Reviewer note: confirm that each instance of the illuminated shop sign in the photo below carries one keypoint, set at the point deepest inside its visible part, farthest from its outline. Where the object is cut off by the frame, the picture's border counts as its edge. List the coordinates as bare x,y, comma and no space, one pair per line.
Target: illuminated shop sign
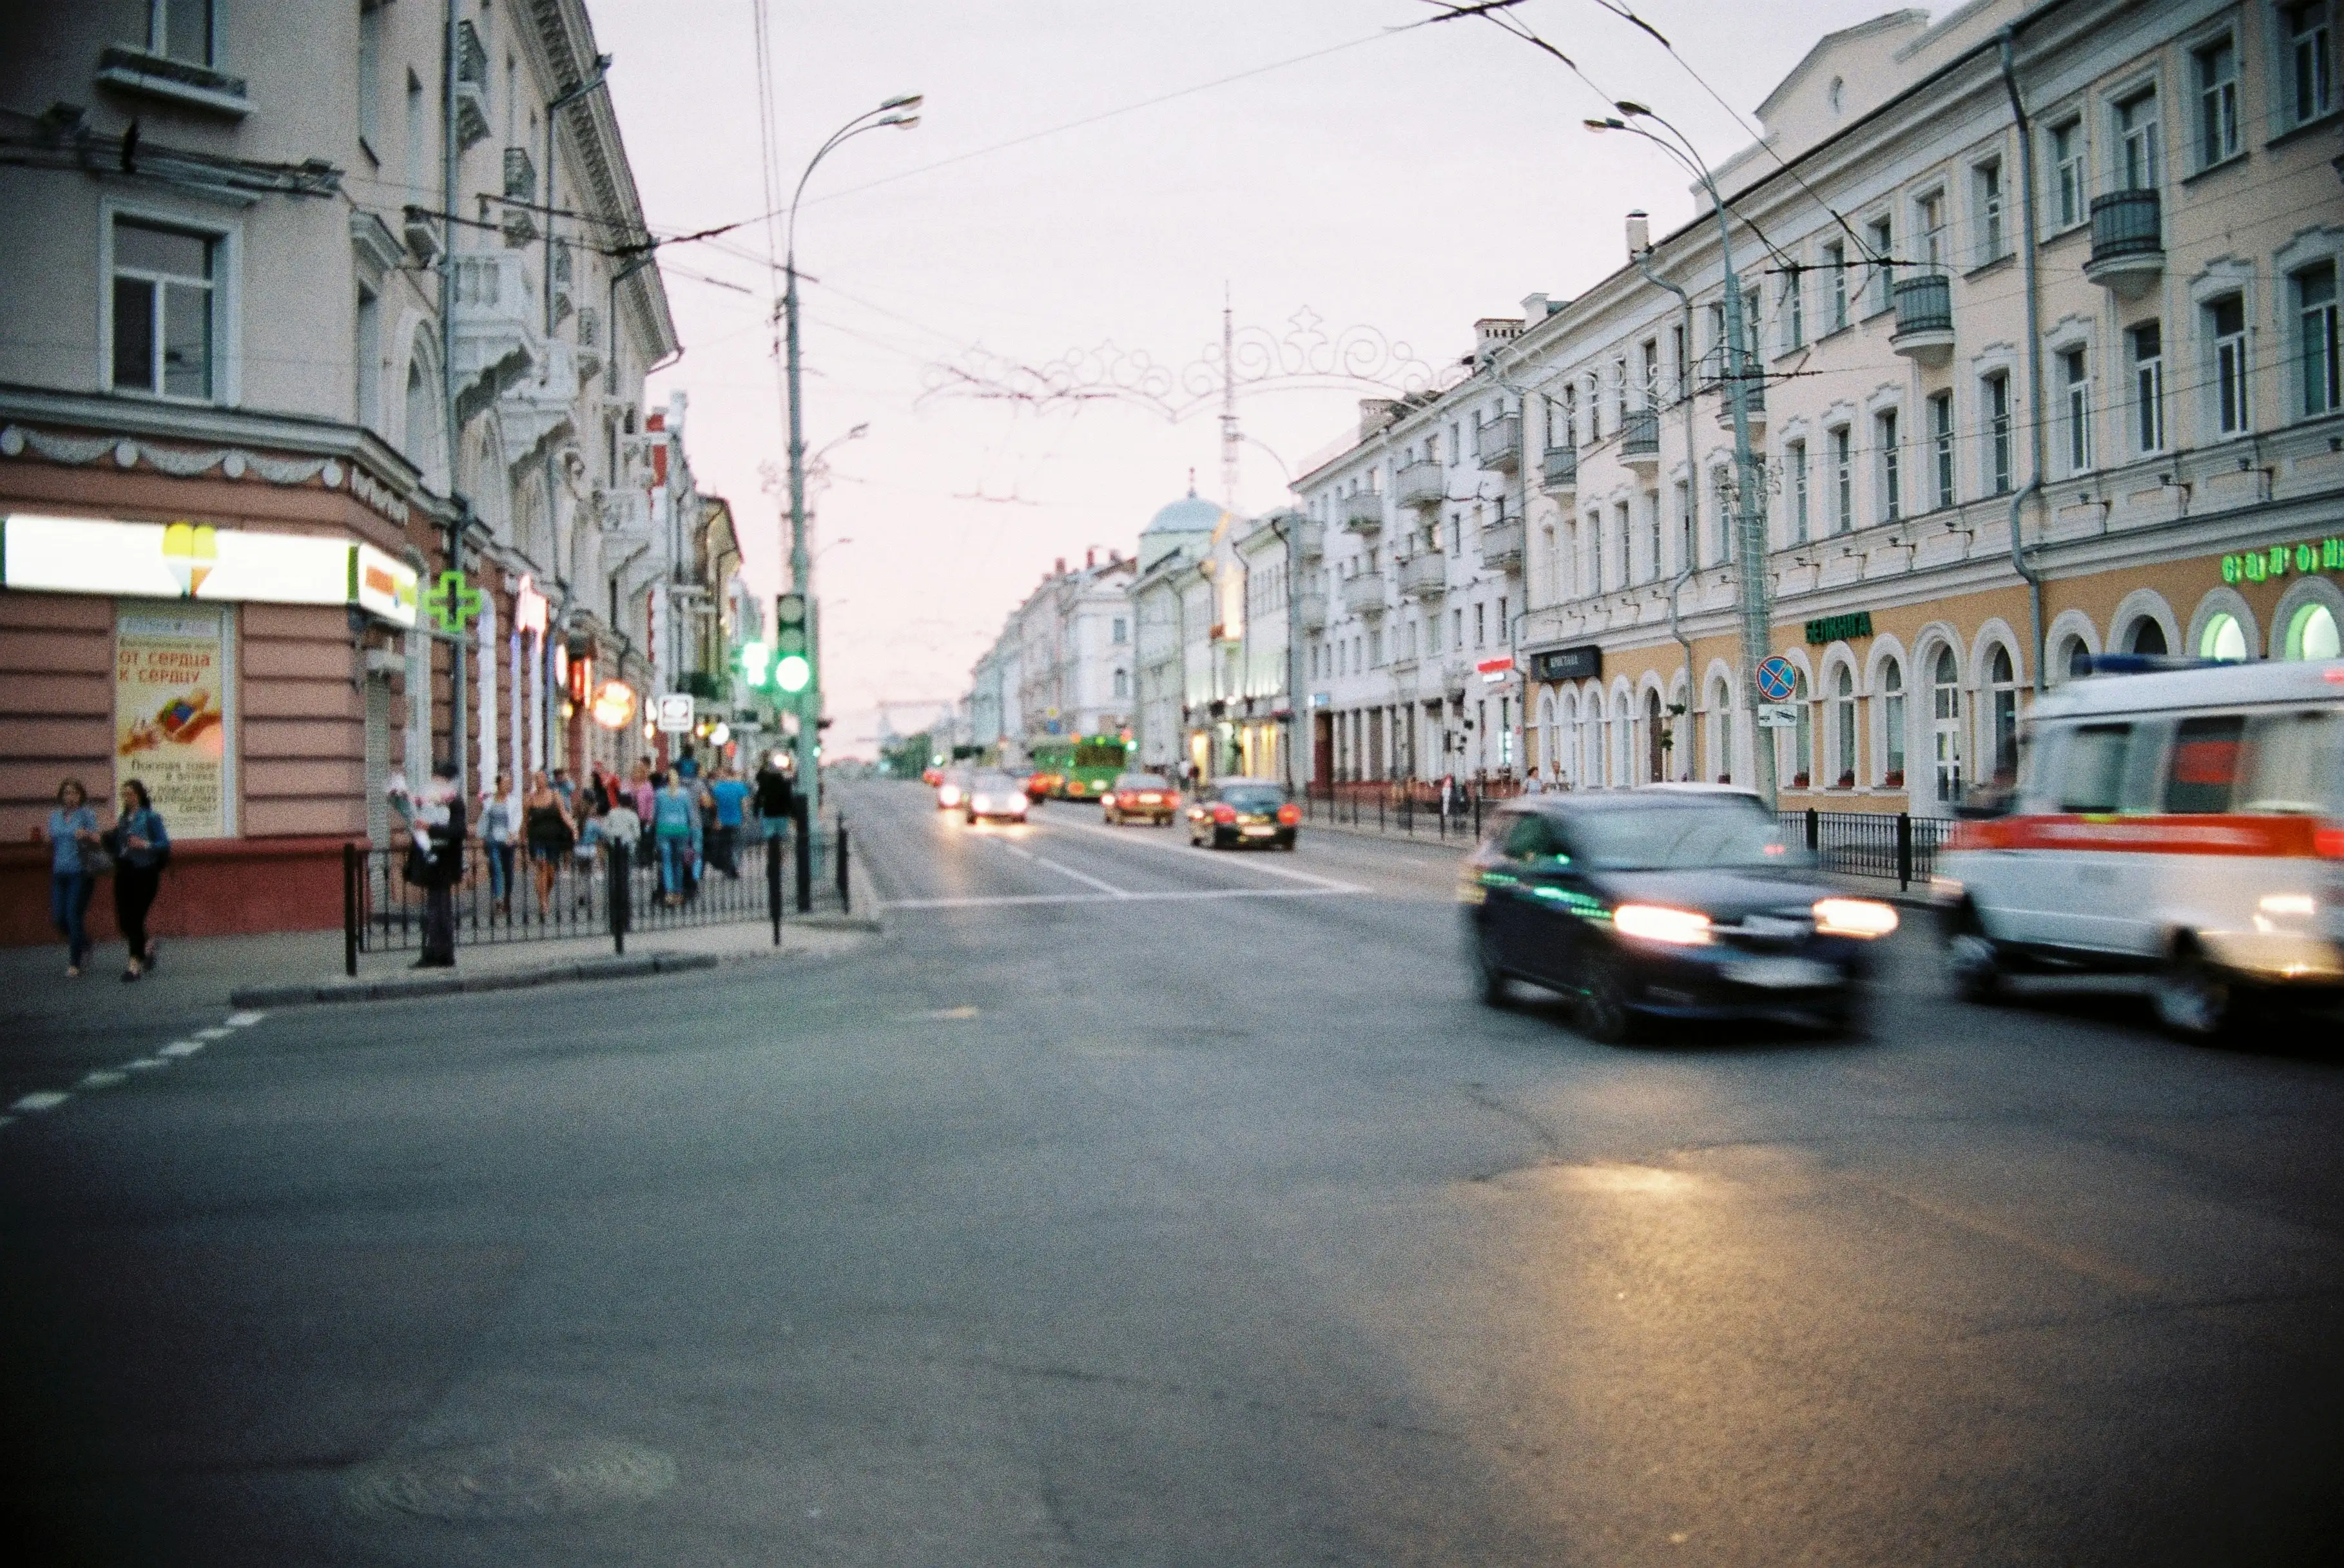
1839,628
197,561
2262,565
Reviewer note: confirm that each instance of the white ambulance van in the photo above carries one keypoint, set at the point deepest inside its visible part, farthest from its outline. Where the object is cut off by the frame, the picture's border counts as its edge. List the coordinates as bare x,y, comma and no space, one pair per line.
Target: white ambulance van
2188,824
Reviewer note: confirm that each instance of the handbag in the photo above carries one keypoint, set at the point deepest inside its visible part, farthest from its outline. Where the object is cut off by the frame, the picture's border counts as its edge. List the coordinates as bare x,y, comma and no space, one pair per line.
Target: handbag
98,859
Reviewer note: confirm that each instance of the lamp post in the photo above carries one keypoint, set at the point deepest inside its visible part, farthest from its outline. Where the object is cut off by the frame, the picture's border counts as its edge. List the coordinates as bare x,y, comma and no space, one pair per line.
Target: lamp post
902,112
1750,522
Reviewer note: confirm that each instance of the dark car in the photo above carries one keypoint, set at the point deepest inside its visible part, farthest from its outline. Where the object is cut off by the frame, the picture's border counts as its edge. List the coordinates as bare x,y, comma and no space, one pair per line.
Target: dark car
1664,904
1148,798
1233,811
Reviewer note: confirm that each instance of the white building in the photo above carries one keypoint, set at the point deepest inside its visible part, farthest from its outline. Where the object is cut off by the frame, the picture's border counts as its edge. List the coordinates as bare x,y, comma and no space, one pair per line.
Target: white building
1064,662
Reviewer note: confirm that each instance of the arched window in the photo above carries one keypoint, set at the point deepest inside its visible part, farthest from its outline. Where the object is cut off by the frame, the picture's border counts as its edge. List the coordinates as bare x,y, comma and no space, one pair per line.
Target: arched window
2004,681
1803,734
1945,725
1891,724
2147,637
422,423
2222,637
1721,719
2071,656
1843,728
1656,751
2311,633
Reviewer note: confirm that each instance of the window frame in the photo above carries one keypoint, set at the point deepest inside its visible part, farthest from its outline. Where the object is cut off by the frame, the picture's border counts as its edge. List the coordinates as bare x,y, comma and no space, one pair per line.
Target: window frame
158,30
2287,106
2215,112
2070,185
228,237
1836,259
1940,406
2073,362
2148,423
2123,138
1990,209
2227,379
1888,471
2301,371
1996,425
1840,442
1795,457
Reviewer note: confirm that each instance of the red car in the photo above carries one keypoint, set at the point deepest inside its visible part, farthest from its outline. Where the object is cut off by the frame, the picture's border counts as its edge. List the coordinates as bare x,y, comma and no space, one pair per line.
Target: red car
1151,797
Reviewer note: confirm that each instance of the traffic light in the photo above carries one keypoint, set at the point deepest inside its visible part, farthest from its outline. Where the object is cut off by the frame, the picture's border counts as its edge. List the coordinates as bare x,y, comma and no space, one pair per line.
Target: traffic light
793,665
754,658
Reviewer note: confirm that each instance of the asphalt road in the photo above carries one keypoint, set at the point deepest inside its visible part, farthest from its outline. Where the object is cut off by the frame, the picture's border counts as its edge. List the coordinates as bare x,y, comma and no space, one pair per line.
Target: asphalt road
1132,1203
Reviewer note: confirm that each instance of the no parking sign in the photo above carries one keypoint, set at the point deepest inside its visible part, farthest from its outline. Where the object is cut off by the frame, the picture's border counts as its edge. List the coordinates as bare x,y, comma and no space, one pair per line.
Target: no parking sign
1777,679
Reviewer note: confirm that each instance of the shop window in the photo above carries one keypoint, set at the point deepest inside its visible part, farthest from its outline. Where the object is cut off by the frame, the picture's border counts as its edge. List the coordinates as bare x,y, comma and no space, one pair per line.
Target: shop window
2311,633
163,309
1802,736
2202,771
2222,637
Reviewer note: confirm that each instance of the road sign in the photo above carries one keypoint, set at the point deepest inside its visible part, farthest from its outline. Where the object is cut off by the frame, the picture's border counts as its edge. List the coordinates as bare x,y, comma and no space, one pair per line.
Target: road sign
1777,679
1778,715
675,713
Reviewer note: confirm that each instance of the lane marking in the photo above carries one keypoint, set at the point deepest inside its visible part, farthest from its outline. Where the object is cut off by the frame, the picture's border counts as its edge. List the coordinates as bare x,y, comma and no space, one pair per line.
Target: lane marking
244,1020
46,1099
143,1065
1084,877
1193,895
1187,850
181,1048
216,1032
102,1079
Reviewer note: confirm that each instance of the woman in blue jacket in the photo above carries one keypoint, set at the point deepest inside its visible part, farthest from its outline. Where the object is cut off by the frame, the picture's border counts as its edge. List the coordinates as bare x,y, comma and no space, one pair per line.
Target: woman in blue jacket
142,847
74,841
675,828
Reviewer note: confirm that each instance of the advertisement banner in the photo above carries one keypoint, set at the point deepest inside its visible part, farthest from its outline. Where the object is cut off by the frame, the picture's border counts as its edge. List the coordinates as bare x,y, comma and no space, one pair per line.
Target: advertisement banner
170,714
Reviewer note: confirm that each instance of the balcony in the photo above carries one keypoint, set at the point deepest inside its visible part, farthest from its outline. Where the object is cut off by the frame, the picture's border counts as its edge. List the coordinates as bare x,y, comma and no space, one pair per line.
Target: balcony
519,225
1363,594
1559,475
1420,484
1310,606
1310,539
1639,439
1363,512
1501,546
2128,242
1424,575
174,81
1498,445
1456,673
471,88
496,340
1753,399
1925,319
542,405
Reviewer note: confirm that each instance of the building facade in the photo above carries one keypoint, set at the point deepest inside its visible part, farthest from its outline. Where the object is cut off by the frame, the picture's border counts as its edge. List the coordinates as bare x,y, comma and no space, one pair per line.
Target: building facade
1064,662
307,321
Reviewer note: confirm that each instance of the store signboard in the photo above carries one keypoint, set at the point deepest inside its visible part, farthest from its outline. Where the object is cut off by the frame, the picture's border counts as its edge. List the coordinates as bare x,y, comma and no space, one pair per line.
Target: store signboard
197,561
170,714
1583,662
382,585
674,713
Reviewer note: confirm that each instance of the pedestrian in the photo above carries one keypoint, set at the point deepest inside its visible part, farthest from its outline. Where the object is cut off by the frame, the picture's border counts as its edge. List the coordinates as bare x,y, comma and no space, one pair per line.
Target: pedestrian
1531,783
75,848
731,795
687,767
643,789
675,829
549,829
775,802
440,813
499,831
142,848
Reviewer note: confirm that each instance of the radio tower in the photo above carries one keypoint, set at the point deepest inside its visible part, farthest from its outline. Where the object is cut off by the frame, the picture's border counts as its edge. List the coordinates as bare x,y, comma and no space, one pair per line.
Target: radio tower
1228,405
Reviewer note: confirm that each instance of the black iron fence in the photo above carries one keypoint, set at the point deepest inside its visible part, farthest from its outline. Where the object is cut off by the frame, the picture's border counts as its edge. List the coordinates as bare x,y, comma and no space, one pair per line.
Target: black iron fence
1408,808
509,893
1871,843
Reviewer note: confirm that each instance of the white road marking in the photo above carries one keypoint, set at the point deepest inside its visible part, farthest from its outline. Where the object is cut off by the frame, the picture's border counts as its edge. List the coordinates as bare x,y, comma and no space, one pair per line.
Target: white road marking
144,1064
1190,895
1020,853
244,1020
1086,878
214,1033
181,1048
101,1080
47,1099
1185,849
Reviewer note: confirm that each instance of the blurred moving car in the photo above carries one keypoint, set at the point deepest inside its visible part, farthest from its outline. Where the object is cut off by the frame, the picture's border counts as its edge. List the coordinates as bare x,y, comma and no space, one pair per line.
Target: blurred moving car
1042,783
1239,811
2185,822
1151,797
932,777
952,789
994,798
1663,903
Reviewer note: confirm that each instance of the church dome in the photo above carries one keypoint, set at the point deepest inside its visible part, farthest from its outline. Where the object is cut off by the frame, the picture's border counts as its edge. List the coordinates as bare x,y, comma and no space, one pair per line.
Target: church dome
1190,514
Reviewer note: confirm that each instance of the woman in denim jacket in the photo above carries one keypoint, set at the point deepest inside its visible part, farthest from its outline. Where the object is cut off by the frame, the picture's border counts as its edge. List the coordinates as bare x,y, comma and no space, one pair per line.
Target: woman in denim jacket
74,839
142,847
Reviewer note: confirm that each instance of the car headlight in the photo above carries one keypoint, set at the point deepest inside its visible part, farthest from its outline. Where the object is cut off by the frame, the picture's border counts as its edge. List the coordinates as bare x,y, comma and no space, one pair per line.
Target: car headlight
1865,917
1659,923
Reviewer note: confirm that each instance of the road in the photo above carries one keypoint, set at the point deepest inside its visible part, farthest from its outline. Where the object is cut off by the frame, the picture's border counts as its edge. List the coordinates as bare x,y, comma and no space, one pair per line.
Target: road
1131,1204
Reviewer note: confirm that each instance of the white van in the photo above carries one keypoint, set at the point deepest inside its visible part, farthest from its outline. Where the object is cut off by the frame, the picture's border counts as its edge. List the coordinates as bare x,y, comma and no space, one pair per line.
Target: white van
2183,823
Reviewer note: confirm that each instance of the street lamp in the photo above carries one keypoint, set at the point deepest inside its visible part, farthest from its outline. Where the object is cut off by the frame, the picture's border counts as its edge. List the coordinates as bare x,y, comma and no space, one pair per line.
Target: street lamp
901,112
1749,524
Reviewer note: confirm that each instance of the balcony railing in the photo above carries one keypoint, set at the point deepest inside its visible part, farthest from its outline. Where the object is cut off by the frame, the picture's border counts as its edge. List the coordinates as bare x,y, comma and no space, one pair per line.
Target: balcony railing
1363,512
1560,473
1310,539
1498,445
1752,380
1501,546
1640,436
1424,575
1363,593
1420,484
497,340
1310,606
521,188
2127,241
1924,318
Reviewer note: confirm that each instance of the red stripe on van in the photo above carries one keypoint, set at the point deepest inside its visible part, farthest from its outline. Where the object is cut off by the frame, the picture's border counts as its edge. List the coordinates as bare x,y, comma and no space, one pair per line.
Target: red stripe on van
2227,834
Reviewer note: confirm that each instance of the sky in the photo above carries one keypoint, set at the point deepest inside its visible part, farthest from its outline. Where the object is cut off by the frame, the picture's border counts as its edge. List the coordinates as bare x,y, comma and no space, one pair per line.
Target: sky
1101,176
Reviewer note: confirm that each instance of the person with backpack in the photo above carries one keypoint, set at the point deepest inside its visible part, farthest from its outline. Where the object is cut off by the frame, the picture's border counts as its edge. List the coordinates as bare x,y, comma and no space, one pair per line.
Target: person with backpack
142,848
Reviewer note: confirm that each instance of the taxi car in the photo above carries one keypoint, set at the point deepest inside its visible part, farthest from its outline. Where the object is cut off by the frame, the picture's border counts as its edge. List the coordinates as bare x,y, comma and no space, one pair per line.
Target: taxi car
1149,797
1232,812
1663,903
2170,818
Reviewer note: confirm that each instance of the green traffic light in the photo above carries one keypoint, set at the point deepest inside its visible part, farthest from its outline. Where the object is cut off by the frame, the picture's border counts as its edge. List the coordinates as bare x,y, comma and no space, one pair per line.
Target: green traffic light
793,672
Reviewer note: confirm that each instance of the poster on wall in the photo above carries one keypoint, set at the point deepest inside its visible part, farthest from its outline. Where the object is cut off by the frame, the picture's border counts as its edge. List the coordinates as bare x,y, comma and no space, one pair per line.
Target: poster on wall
170,714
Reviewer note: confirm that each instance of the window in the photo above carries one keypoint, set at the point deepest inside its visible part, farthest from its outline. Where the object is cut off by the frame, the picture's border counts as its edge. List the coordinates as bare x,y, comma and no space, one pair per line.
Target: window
1945,725
1880,234
2222,638
2076,408
1678,348
2306,84
1121,683
2138,136
1985,188
2226,324
2067,191
2311,633
2004,681
1481,626
1941,445
1891,724
1892,480
2147,636
1653,531
367,340
1627,550
420,435
2204,764
370,65
2315,340
1997,388
164,306
2146,343
1121,631
1795,310
183,30
1843,463
1457,629
1594,564
1620,393
418,123
1835,270
1795,457
2092,766
2215,68
1567,410
1843,729
1930,214
1684,525
1721,491
1648,359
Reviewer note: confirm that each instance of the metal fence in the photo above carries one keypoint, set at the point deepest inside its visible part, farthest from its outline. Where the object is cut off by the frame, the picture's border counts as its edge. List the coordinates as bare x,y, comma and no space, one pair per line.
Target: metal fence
506,893
1410,808
1871,843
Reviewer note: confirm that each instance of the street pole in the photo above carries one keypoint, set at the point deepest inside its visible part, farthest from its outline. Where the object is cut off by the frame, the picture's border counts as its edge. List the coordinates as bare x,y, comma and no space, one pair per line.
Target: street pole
898,111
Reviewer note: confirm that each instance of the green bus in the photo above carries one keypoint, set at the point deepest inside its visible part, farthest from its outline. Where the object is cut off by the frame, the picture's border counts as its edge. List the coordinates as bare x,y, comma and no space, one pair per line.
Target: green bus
1081,767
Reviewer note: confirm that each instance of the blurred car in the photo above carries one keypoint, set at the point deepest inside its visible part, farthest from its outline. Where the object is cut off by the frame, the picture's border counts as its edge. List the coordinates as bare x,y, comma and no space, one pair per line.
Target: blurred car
2173,818
1238,811
994,798
1151,797
1041,784
932,777
1663,903
952,790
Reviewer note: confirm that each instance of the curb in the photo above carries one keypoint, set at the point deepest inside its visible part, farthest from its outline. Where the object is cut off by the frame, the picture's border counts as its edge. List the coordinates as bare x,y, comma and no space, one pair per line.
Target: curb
611,968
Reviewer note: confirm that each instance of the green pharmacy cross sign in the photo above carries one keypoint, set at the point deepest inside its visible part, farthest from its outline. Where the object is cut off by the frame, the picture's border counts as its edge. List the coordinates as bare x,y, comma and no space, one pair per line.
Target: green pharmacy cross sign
2262,565
452,604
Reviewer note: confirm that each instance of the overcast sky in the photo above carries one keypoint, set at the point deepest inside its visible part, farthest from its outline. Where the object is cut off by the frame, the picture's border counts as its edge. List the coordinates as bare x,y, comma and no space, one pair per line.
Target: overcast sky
1405,181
